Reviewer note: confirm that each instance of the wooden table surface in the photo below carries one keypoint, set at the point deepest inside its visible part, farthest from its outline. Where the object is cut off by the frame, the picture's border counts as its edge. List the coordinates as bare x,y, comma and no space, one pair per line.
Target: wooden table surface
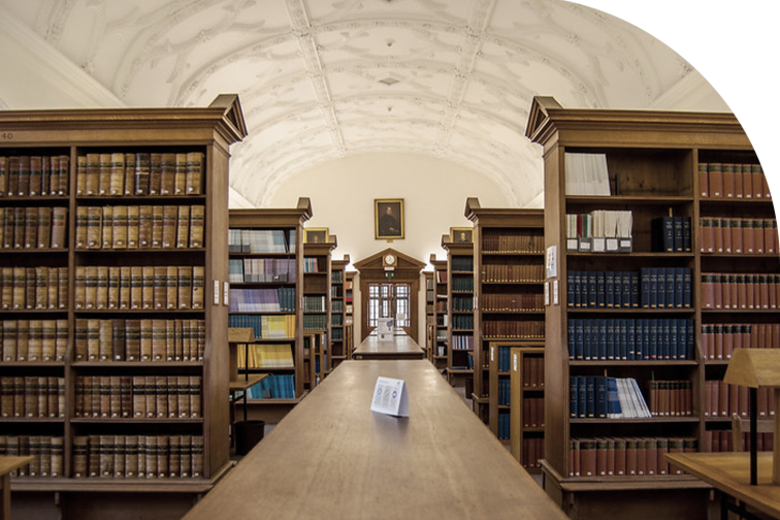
729,472
401,347
7,465
332,457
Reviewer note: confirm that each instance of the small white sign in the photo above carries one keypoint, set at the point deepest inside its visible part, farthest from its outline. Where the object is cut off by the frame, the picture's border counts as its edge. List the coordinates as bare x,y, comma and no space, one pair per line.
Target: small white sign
555,292
384,329
552,261
390,397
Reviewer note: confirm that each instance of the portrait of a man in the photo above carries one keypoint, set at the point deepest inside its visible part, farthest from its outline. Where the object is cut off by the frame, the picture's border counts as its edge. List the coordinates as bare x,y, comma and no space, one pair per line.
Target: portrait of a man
389,218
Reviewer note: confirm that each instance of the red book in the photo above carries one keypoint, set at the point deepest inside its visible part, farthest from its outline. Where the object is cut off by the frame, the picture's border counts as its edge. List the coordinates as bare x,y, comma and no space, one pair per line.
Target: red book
770,236
675,446
733,400
775,335
747,181
588,457
706,341
736,235
742,401
718,291
773,279
641,456
737,336
758,181
715,171
729,190
651,457
707,398
620,457
601,457
610,457
662,447
739,183
748,237
764,283
708,290
725,280
718,335
750,286
704,180
707,235
725,226
631,457
718,231
714,398
758,234
723,399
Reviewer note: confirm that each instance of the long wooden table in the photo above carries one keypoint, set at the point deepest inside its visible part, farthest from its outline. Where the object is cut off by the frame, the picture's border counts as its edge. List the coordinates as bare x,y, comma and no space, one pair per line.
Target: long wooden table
401,347
332,457
7,465
729,473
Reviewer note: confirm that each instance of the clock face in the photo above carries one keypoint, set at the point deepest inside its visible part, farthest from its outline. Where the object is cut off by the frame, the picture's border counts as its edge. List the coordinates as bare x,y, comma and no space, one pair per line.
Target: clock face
389,259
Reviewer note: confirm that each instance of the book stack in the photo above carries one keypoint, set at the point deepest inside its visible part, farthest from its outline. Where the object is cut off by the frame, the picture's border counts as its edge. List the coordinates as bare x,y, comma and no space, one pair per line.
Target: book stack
626,456
34,340
600,231
493,241
310,265
746,236
158,396
533,452
718,340
533,372
631,339
138,456
648,288
462,322
280,299
722,440
462,285
261,241
158,173
502,273
671,234
723,400
733,181
265,356
460,342
47,453
262,270
140,227
601,397
33,227
315,321
275,386
533,412
512,329
504,427
32,396
742,291
39,288
33,176
671,398
142,340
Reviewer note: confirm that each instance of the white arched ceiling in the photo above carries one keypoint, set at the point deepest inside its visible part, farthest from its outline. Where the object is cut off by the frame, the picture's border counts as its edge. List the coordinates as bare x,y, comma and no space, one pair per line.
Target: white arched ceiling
324,79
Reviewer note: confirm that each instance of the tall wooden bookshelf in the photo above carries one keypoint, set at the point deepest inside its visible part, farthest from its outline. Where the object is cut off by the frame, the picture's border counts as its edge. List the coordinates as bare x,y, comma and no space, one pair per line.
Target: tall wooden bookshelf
441,314
657,164
317,276
278,325
349,325
460,310
524,367
104,307
430,314
338,312
508,270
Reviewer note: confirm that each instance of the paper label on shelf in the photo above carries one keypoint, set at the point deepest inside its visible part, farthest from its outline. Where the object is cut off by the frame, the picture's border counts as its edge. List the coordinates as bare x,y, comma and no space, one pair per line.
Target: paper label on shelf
226,294
552,261
390,397
546,294
514,362
216,292
555,292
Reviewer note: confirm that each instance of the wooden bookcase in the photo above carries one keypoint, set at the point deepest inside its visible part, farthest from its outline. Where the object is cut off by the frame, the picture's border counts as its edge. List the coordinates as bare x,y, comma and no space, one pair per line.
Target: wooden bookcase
526,402
460,310
101,302
317,276
657,163
441,347
349,325
508,264
430,315
338,312
278,328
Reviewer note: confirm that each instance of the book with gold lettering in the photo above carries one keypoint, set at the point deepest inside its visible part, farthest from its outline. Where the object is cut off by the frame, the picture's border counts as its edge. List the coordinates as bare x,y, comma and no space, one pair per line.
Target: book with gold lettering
131,456
167,173
133,340
80,344
43,234
35,342
139,396
147,287
197,214
114,279
48,340
41,287
160,286
107,235
151,396
19,287
170,216
184,281
136,287
81,175
183,227
129,185
59,221
158,339
158,218
155,173
174,456
90,282
6,287
82,221
115,396
61,345
180,175
101,287
93,339
30,228
53,288
126,395
104,173
170,340
142,173
62,290
29,287
118,339
94,227
171,286
145,222
133,218
79,453
22,339
23,184
198,286
120,229
161,395
116,180
92,177
194,173
197,456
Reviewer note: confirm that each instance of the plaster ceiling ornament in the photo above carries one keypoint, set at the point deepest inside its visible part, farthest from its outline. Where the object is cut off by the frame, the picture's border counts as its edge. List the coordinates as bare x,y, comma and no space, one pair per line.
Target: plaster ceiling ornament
324,79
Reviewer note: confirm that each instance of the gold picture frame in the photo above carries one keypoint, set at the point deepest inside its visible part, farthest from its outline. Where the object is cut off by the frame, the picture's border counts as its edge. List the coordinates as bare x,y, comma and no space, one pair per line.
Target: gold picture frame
463,235
389,219
316,236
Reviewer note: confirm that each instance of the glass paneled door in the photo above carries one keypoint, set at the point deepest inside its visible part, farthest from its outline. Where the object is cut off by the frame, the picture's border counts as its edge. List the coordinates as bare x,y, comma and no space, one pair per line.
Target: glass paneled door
390,300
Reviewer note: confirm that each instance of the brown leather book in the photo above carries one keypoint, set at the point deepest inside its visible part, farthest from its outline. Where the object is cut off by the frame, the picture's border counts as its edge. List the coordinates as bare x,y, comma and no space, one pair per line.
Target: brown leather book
81,175
161,396
183,396
180,174
29,288
172,406
163,455
104,173
62,289
119,228
170,340
118,452
133,340
133,218
139,396
22,339
48,340
82,220
715,172
195,396
197,215
129,175
114,396
155,173
136,287
160,286
145,226
151,396
30,228
104,390
116,174
112,289
770,236
118,339
185,447
757,178
79,453
158,218
146,339
167,173
43,234
183,227
151,456
142,173
174,456
93,339
170,216
19,223
94,227
107,229
101,287
171,287
36,176
35,342
92,181
198,286
194,173
147,287
757,227
131,456
57,457
197,456
7,397
158,339
41,287
184,286
23,176
52,288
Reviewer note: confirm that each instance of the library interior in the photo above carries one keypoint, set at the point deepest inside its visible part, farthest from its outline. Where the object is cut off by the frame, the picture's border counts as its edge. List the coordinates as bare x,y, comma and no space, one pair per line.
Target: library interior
376,259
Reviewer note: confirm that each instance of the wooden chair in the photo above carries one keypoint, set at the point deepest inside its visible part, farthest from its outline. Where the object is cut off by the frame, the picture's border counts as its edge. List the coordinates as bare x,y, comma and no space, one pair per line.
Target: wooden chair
740,425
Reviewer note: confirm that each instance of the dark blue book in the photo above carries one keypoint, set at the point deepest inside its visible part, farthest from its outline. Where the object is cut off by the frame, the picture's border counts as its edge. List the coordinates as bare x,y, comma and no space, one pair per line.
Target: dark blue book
630,339
687,287
670,274
679,284
652,350
618,289
653,284
570,288
678,234
687,240
570,333
609,289
639,339
614,410
601,289
690,340
582,397
586,335
645,339
625,300
635,287
592,289
673,343
601,397
602,342
660,287
665,332
644,290
611,338
590,392
621,353
662,231
579,340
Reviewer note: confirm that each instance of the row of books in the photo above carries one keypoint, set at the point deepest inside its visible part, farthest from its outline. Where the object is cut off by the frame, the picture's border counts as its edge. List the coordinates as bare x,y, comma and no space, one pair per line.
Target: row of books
533,452
671,234
462,322
602,397
718,340
138,396
504,432
336,320
142,173
670,398
142,340
46,451
748,236
278,299
732,181
34,227
499,329
148,287
528,302
275,386
744,291
533,412
462,363
337,276
441,276
138,456
140,227
512,273
723,400
462,264
34,340
337,306
462,304
262,270
587,174
631,339
462,284
497,242
336,291
626,456
315,321
647,288
314,303
34,176
533,372
504,358
32,396
337,334
461,342
311,265
722,440
39,287
441,351
261,240
600,231
265,326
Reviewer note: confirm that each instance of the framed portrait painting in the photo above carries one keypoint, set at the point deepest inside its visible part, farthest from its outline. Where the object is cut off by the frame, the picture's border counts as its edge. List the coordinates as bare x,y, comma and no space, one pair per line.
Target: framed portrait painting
388,218
462,235
315,236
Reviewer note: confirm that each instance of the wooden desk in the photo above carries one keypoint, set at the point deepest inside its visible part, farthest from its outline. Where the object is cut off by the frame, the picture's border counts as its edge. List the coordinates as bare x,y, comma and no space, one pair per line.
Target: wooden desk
401,347
729,473
7,465
331,457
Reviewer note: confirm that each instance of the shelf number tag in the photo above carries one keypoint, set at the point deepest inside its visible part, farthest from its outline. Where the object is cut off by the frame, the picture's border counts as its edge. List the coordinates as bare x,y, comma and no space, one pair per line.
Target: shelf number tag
216,292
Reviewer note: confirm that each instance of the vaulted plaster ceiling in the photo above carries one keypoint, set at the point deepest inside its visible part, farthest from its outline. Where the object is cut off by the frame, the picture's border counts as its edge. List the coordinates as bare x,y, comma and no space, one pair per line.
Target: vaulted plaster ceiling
324,79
